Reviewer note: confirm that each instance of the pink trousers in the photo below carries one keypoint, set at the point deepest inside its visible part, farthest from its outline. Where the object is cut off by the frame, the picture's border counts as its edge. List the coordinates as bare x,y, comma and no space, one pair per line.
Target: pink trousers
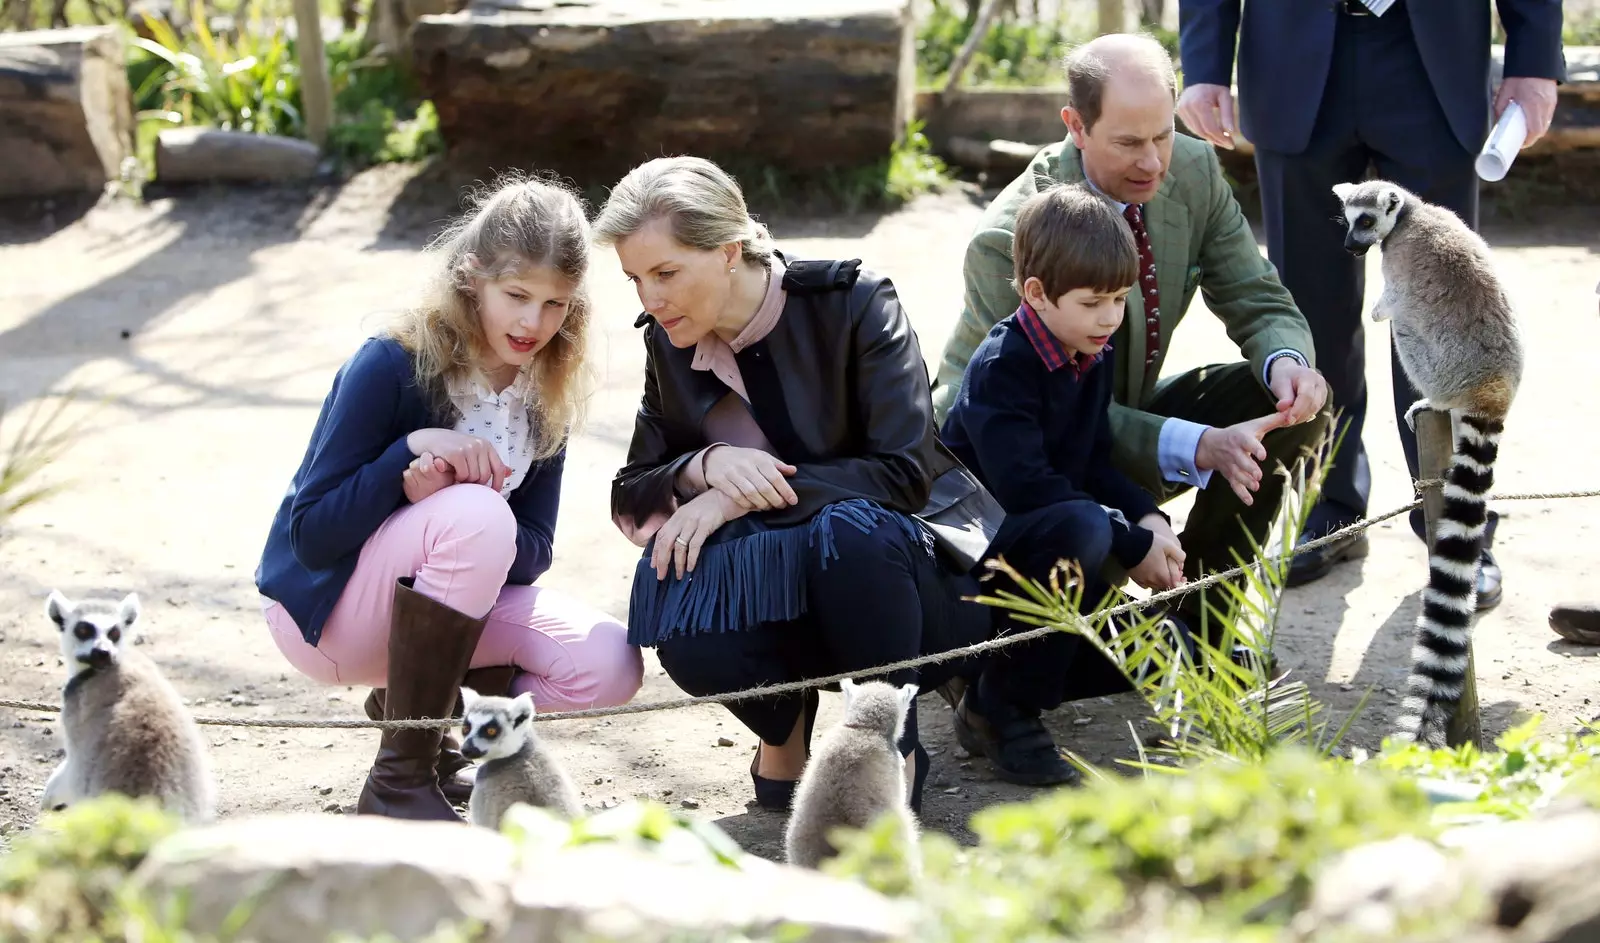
459,544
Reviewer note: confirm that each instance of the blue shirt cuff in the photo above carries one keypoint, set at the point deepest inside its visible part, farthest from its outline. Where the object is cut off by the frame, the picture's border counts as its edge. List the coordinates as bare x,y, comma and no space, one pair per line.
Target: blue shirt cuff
1266,371
1175,450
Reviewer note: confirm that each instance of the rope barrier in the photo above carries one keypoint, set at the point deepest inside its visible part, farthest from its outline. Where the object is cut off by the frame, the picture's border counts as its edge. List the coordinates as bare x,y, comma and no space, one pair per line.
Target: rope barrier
789,687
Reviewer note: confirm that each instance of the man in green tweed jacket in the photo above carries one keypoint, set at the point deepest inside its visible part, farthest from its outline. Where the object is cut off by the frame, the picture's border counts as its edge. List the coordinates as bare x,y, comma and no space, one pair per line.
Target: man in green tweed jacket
1236,419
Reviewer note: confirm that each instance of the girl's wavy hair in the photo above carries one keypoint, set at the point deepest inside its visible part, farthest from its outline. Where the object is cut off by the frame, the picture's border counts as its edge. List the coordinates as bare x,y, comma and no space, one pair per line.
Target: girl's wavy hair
514,225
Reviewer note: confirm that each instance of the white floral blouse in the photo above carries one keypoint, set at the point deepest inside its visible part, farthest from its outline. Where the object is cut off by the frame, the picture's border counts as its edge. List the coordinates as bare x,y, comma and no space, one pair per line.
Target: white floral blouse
503,420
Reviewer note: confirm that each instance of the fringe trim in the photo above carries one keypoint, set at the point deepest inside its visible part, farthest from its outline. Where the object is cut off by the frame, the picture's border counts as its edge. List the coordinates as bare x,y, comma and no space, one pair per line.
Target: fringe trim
742,582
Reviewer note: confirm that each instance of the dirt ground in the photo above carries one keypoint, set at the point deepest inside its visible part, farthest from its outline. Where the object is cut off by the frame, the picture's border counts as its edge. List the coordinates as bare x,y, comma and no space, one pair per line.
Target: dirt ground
211,324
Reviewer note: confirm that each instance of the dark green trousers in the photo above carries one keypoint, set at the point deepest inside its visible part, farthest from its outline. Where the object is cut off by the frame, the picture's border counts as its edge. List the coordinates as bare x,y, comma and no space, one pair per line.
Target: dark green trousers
1222,395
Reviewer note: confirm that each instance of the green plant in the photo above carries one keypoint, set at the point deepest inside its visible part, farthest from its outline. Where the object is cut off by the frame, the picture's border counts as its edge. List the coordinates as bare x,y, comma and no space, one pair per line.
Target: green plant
913,167
67,879
1230,850
1219,706
1013,53
39,443
1523,774
251,83
645,825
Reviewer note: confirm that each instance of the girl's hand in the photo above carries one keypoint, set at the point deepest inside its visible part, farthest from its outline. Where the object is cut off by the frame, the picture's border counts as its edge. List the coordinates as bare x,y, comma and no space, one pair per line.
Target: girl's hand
679,540
473,460
751,477
425,476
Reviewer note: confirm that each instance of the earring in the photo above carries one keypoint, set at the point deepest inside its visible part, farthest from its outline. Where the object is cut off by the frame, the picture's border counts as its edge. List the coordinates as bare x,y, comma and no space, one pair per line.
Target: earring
731,269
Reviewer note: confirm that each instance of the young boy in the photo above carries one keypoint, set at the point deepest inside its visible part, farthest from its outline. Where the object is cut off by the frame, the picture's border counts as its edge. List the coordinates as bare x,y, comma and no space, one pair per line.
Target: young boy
1030,421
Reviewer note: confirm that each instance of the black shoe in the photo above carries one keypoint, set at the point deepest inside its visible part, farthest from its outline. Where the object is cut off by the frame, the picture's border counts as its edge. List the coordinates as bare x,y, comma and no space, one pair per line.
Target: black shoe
919,776
777,794
1016,743
1312,565
1489,592
1577,622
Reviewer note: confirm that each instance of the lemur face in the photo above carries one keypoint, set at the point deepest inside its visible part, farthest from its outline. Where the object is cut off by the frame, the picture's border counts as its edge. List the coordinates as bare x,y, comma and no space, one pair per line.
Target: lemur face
92,633
1370,211
494,727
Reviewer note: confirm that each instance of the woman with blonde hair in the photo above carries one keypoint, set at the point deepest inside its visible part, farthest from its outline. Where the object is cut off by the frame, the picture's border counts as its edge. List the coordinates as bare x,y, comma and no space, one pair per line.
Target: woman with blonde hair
404,553
785,477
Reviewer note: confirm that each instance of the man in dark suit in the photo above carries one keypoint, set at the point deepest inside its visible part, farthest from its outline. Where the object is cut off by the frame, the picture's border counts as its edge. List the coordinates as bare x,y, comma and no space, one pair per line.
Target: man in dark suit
1328,88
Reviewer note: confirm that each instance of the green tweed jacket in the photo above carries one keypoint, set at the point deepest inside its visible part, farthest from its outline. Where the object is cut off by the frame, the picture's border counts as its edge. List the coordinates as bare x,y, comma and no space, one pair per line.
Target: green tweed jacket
1200,239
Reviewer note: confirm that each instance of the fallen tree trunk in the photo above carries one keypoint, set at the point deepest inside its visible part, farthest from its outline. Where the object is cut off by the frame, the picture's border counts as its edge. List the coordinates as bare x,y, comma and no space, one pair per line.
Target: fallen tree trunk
590,89
203,155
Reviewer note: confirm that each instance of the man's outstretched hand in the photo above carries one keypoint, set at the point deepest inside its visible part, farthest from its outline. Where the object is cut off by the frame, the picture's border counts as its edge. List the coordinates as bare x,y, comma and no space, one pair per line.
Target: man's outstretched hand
1301,391
1236,451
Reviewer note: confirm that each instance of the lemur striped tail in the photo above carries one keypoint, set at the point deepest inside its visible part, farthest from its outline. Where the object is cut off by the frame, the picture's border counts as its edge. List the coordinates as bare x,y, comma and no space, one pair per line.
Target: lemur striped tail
1444,628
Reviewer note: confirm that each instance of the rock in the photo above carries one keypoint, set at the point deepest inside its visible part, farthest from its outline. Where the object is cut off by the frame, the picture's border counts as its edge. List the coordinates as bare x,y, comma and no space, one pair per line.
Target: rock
613,892
1370,888
592,87
311,877
999,157
202,155
66,114
1529,881
317,876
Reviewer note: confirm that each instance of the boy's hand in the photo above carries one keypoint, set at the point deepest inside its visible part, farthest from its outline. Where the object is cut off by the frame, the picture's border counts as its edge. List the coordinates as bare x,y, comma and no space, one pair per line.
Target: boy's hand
1235,451
1162,566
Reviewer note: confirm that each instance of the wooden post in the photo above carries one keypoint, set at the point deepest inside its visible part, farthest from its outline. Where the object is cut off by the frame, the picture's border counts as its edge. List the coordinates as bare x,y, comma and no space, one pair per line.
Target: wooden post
1113,16
1435,443
316,89
958,65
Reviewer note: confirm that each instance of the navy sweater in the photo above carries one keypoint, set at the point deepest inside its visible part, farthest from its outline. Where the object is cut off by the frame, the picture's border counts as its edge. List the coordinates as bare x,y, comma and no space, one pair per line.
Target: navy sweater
349,482
1037,437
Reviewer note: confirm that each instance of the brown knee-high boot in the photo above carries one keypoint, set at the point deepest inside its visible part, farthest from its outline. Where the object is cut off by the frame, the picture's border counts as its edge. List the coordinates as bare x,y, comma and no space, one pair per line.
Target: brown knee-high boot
454,770
430,646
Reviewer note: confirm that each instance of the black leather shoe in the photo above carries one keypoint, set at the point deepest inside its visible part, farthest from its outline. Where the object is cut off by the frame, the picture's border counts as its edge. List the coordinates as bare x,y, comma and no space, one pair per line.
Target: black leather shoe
1489,593
1313,565
1577,622
778,794
1017,744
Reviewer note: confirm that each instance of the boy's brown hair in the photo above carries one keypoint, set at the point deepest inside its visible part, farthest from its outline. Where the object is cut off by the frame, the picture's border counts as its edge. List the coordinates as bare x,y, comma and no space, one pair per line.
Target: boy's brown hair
1071,237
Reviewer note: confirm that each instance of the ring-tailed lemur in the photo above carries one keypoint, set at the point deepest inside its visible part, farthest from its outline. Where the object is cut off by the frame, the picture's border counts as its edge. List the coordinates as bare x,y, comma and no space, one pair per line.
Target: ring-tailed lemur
517,766
856,775
125,727
1459,343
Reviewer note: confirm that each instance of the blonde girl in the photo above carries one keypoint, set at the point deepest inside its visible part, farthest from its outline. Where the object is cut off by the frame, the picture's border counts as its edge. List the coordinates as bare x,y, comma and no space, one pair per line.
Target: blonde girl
404,553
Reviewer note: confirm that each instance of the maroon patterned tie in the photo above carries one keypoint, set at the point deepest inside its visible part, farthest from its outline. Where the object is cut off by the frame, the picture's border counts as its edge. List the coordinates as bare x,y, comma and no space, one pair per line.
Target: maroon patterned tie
1147,283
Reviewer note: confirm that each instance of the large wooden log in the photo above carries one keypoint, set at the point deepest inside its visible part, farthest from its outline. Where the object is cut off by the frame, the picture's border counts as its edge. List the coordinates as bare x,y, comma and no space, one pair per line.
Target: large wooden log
590,88
204,155
66,114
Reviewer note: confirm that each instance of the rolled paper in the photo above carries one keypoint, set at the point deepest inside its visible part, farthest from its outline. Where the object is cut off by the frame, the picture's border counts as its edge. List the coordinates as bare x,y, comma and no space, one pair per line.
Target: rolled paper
1505,140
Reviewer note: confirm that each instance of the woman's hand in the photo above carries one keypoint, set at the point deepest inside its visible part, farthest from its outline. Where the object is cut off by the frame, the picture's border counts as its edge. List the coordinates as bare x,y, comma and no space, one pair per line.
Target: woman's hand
473,460
679,540
751,477
425,476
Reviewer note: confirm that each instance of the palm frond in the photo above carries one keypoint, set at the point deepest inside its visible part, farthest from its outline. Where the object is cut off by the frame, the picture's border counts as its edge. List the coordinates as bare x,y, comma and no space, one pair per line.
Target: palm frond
1220,704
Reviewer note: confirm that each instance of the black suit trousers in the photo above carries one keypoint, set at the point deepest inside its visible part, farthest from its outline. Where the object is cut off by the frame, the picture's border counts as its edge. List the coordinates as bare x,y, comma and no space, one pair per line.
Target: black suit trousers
1378,111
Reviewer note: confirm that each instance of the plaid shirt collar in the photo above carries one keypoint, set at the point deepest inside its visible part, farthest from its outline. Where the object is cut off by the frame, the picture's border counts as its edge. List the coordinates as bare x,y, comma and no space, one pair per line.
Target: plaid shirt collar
1054,353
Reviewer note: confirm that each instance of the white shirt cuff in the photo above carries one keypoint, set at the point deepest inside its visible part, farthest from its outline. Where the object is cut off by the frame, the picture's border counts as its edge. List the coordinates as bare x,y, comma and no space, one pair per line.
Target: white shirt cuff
1175,451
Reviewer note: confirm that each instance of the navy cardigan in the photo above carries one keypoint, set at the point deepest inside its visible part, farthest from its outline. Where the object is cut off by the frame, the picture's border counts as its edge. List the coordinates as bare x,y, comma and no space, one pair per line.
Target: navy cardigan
349,482
1037,437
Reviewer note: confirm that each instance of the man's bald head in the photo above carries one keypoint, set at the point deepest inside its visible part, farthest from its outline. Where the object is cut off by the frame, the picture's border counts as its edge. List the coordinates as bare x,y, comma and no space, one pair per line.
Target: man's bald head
1115,58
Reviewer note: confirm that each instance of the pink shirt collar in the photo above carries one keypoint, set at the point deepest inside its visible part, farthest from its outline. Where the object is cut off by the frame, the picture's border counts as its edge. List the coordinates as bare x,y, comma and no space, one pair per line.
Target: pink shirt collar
714,354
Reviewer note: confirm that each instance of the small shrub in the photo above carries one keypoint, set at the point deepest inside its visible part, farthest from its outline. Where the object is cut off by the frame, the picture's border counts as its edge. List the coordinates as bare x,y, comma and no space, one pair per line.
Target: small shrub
66,879
1227,849
1014,53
